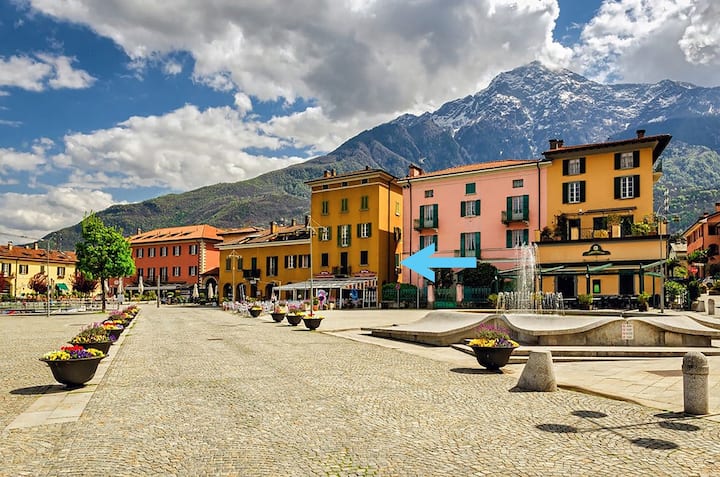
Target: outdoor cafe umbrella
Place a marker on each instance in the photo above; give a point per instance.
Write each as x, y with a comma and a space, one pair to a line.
141, 287
210, 292
195, 293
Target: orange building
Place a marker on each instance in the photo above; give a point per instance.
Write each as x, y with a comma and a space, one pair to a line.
175, 255
704, 235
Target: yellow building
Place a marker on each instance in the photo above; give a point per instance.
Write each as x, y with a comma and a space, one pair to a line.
357, 217
254, 261
603, 237
18, 264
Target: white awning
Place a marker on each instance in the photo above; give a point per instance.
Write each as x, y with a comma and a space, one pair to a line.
345, 283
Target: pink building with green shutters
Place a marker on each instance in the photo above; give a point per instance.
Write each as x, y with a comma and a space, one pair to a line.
480, 210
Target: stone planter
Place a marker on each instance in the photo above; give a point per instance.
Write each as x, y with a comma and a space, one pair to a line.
492, 358
312, 323
73, 372
103, 346
294, 320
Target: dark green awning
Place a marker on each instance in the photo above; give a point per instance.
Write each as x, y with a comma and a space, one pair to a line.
62, 287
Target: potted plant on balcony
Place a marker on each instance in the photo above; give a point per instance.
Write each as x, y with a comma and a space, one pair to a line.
492, 346
73, 365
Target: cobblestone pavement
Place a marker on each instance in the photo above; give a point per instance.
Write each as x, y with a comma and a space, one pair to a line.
203, 392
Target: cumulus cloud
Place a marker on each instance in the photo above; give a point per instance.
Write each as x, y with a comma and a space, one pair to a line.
35, 215
42, 72
652, 40
184, 149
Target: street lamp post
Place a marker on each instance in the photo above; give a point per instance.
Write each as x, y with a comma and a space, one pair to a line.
233, 256
310, 229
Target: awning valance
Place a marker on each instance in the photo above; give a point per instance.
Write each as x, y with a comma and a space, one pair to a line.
62, 287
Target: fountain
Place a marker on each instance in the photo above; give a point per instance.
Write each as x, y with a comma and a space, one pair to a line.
524, 298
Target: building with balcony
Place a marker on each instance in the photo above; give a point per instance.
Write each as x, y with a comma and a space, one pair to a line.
603, 236
703, 244
254, 261
176, 256
479, 210
18, 264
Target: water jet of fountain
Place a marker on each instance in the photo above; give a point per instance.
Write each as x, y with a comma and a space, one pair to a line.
524, 298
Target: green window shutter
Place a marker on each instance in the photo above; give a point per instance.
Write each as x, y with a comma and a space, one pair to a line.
477, 207
636, 158
470, 188
422, 216
566, 166
267, 266
565, 193
422, 242
617, 187
526, 236
508, 239
339, 235
435, 215
617, 160
462, 244
462, 209
636, 186
509, 208
526, 207
582, 191
477, 244
582, 165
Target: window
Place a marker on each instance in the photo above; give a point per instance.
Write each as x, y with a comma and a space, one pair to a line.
517, 183
517, 207
325, 207
469, 208
163, 251
324, 260
304, 261
23, 269
290, 261
627, 160
176, 250
343, 205
151, 274
193, 249
325, 186
60, 271
5, 269
324, 234
164, 273
573, 167
192, 271
364, 230
151, 252
600, 223
517, 238
139, 273
429, 216
364, 201
363, 257
239, 263
343, 235
397, 207
470, 244
596, 287
627, 187
176, 271
228, 263
365, 181
426, 240
343, 184
573, 192
470, 188
139, 252
428, 193
272, 266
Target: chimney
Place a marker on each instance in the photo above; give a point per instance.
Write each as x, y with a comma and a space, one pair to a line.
553, 144
139, 231
35, 246
414, 171
293, 223
273, 227
326, 173
334, 172
717, 206
10, 245
560, 143
307, 221
640, 133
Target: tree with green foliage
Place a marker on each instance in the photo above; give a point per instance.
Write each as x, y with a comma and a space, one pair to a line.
103, 253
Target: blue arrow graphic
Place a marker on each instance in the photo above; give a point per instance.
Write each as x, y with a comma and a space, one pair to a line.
421, 262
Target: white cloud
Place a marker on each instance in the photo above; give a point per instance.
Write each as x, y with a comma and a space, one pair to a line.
13, 161
50, 71
652, 40
243, 103
35, 215
184, 149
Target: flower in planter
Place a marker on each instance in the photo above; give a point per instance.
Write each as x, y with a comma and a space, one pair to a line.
94, 333
72, 352
492, 337
113, 325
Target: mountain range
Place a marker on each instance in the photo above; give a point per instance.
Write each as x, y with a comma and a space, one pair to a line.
513, 118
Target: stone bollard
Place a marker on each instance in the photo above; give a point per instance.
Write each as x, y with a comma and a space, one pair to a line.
695, 383
711, 306
538, 374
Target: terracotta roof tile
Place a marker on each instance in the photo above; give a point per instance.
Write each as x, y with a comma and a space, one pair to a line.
186, 232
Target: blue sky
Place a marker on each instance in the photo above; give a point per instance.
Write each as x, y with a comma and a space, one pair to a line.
115, 101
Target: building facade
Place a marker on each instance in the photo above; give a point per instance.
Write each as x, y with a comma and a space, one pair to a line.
603, 237
18, 264
176, 256
704, 236
480, 210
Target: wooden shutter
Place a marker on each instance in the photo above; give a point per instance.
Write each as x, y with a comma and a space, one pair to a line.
636, 158
422, 242
617, 160
435, 215
462, 244
582, 191
462, 209
339, 235
477, 207
566, 167
582, 165
617, 187
369, 229
526, 207
565, 193
508, 239
636, 186
359, 230
422, 216
526, 236
287, 259
509, 208
477, 244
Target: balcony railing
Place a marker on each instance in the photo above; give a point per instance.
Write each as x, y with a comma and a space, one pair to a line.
512, 218
422, 224
251, 273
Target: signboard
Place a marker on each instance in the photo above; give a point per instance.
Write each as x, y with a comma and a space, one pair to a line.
627, 331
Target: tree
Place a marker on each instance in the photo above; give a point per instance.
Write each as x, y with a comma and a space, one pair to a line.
5, 283
39, 283
83, 284
103, 253
481, 276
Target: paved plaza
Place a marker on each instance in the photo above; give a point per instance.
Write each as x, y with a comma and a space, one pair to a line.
199, 391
